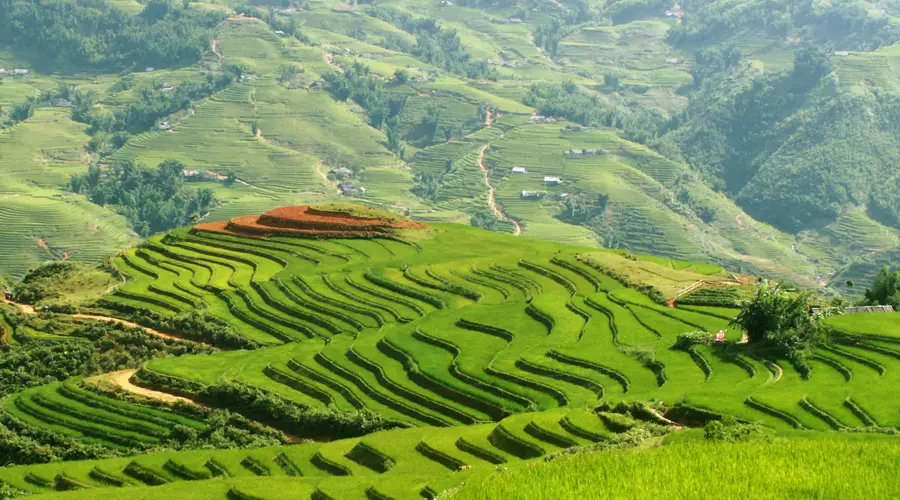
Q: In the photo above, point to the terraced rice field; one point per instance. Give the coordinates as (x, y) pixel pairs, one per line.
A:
(392, 464)
(434, 333)
(494, 349)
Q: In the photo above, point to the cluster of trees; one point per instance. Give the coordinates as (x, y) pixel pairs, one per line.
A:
(111, 129)
(112, 347)
(438, 46)
(567, 100)
(846, 23)
(153, 200)
(779, 320)
(384, 108)
(885, 289)
(548, 36)
(787, 149)
(94, 33)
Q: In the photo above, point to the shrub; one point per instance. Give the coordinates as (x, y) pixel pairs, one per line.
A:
(687, 340)
(731, 430)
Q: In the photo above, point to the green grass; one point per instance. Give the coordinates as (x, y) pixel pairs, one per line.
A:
(875, 324)
(785, 467)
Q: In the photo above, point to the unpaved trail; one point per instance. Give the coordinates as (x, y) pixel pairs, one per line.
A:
(214, 46)
(27, 309)
(122, 380)
(329, 58)
(739, 221)
(492, 198)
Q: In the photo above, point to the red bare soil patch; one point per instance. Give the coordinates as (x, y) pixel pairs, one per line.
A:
(305, 221)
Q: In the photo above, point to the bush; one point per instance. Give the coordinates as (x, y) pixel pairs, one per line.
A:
(731, 430)
(687, 340)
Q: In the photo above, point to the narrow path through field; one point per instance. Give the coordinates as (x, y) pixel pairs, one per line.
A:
(739, 221)
(27, 309)
(214, 47)
(492, 198)
(329, 58)
(122, 380)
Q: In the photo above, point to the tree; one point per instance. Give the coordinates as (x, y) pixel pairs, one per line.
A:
(885, 290)
(781, 322)
(401, 76)
(611, 81)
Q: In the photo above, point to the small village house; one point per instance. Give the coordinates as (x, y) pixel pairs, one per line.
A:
(519, 170)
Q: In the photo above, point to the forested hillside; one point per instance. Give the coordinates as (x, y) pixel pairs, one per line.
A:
(759, 135)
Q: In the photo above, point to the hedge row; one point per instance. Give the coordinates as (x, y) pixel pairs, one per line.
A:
(216, 468)
(535, 430)
(821, 414)
(700, 361)
(234, 307)
(460, 375)
(33, 478)
(860, 413)
(249, 249)
(484, 454)
(329, 466)
(565, 282)
(332, 384)
(391, 403)
(428, 383)
(147, 431)
(290, 324)
(361, 298)
(108, 435)
(374, 494)
(407, 291)
(370, 457)
(253, 465)
(311, 305)
(287, 465)
(499, 289)
(314, 295)
(505, 440)
(855, 357)
(144, 474)
(559, 396)
(63, 482)
(515, 284)
(543, 371)
(580, 313)
(129, 410)
(577, 270)
(235, 494)
(400, 391)
(101, 476)
(439, 456)
(541, 317)
(747, 367)
(441, 285)
(184, 472)
(486, 329)
(590, 365)
(298, 384)
(609, 315)
(573, 429)
(291, 311)
(774, 412)
(512, 274)
(773, 368)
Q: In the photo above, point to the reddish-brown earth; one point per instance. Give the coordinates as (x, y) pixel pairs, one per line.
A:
(309, 222)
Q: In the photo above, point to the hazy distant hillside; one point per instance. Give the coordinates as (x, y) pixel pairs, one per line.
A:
(685, 131)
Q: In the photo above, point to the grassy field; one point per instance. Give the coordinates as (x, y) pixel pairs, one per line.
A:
(783, 468)
(875, 325)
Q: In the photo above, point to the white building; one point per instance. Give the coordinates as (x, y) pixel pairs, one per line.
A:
(552, 180)
(519, 170)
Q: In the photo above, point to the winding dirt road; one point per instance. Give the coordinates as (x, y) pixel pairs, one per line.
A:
(27, 309)
(492, 198)
(122, 380)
